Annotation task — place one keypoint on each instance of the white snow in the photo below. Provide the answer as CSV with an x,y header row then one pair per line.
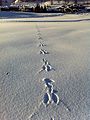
x,y
67,39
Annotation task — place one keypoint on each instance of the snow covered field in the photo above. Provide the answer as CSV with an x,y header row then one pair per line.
x,y
66,38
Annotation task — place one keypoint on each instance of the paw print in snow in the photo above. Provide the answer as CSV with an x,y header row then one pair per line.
x,y
43,51
50,96
47,67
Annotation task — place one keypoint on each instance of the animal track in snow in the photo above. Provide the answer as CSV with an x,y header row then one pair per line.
x,y
41,44
45,61
46,66
38,33
48,84
55,98
52,119
7,73
40,37
46,99
51,96
43,51
47,80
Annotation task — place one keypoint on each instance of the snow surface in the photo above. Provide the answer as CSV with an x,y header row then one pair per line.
x,y
67,39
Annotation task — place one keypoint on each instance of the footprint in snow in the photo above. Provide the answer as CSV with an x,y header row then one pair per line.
x,y
55,98
48,84
43,51
55,91
47,68
46,99
47,80
40,37
50,97
45,61
41,45
7,73
52,119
